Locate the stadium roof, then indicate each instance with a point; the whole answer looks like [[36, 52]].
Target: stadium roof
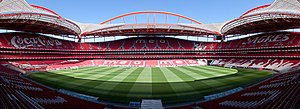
[[280, 15], [149, 25], [21, 16]]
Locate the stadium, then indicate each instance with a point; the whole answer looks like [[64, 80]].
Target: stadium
[[51, 62]]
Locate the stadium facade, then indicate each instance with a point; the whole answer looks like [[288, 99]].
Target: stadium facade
[[30, 50]]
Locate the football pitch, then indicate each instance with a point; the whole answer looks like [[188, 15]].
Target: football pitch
[[171, 84]]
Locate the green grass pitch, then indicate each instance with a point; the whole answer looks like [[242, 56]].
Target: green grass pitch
[[171, 84]]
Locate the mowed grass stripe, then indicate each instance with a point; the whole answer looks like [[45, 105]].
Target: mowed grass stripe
[[207, 73], [211, 73], [122, 88], [177, 88], [145, 76], [118, 89], [105, 73], [214, 72], [181, 74], [72, 71], [161, 90], [140, 91], [54, 79], [53, 76], [143, 88], [171, 77], [95, 72], [87, 73], [241, 77], [201, 72], [195, 75], [246, 76], [134, 75], [124, 75], [79, 73], [93, 84], [157, 75], [233, 81], [218, 70], [127, 87], [78, 81], [93, 77], [217, 67]]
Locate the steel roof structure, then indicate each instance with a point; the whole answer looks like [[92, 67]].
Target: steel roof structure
[[280, 15], [21, 16], [152, 27]]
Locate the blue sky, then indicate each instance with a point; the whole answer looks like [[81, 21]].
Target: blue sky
[[96, 11]]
